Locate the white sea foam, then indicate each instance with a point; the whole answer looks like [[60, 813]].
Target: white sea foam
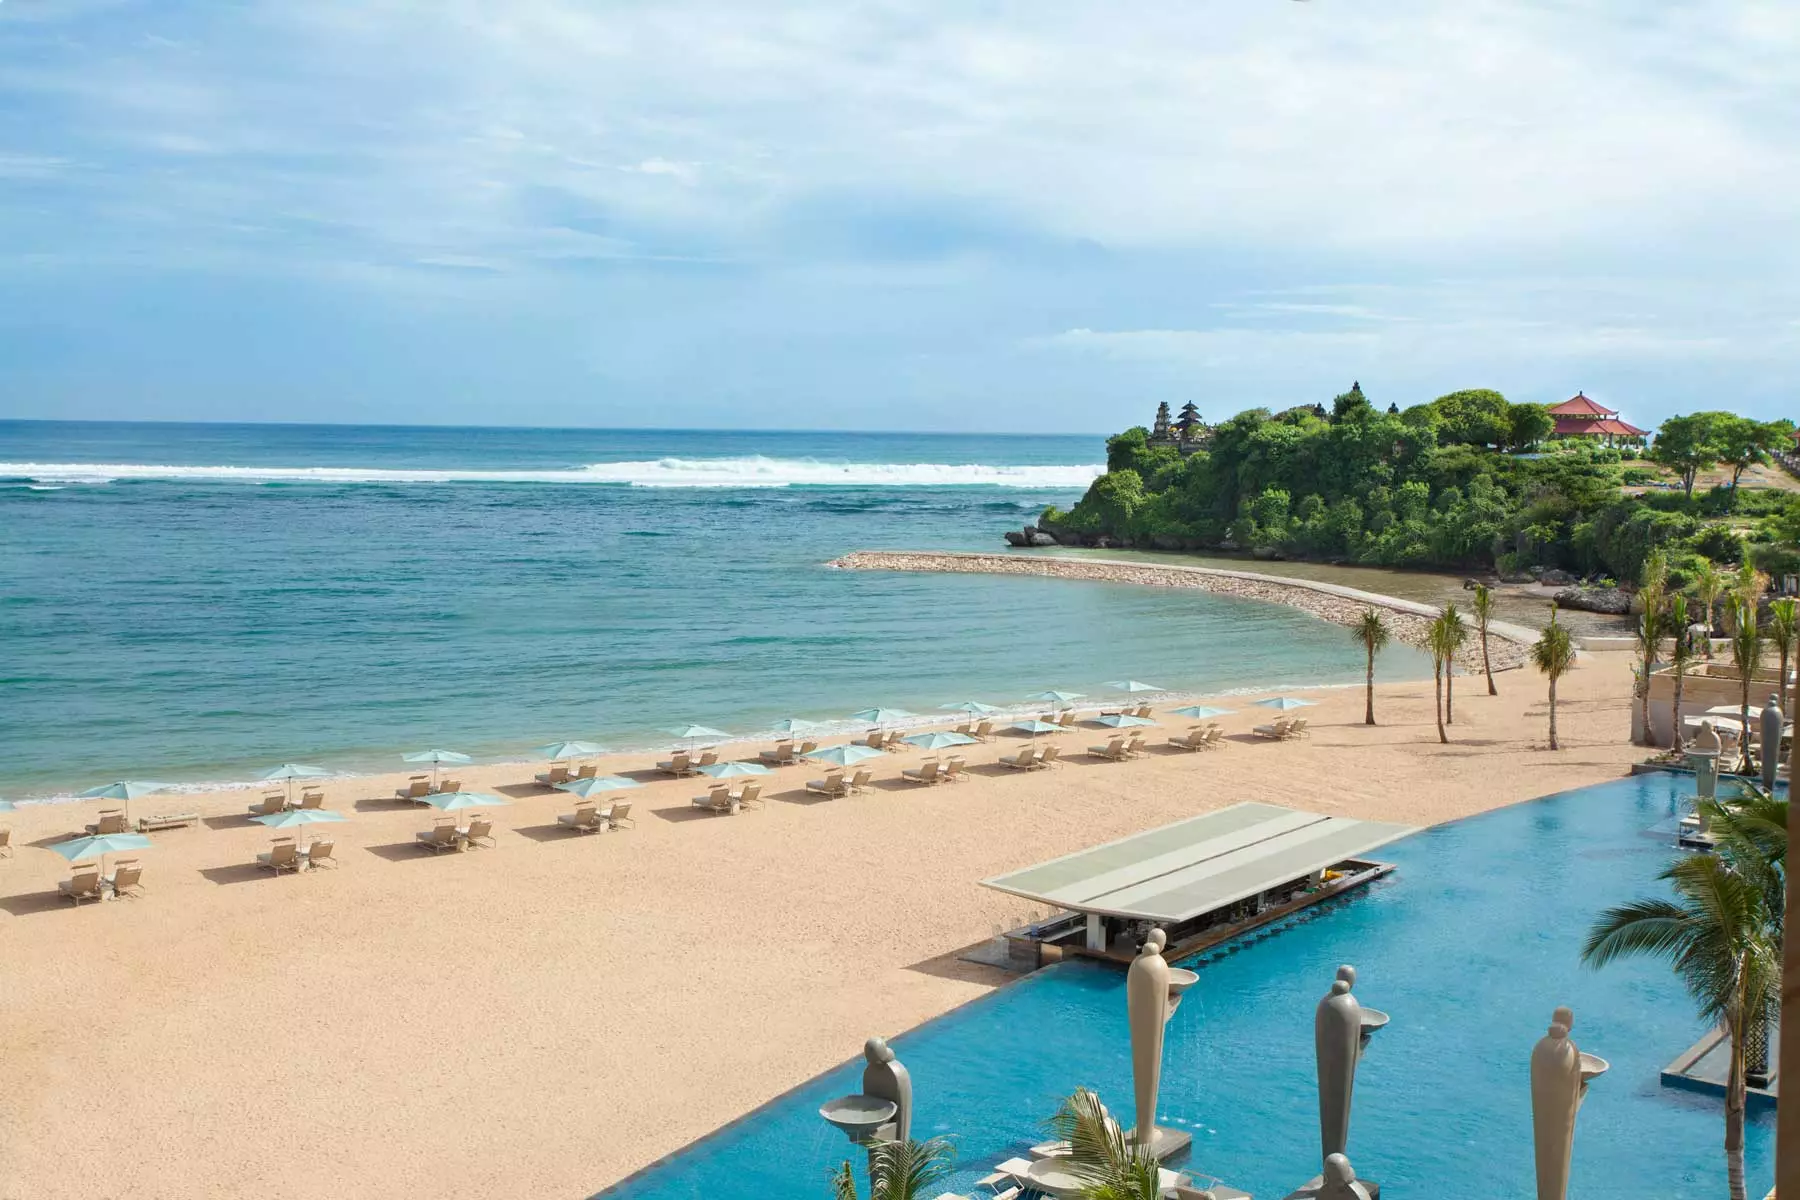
[[745, 472]]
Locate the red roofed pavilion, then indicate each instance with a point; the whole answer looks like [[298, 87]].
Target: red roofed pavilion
[[1579, 416]]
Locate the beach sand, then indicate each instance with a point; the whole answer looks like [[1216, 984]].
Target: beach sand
[[546, 1016]]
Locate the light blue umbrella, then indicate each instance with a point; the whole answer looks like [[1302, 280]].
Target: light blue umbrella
[[555, 750], [1055, 697], [7, 806], [1134, 685], [694, 733], [1201, 712], [881, 716], [939, 740], [1035, 726], [593, 785], [974, 708], [455, 801], [795, 725], [1123, 720], [76, 849], [435, 758], [730, 770], [293, 771], [126, 790], [1285, 702], [844, 756], [299, 816]]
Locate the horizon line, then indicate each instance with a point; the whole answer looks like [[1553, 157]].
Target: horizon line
[[685, 429]]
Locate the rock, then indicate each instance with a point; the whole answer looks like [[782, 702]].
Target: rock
[[1016, 537], [1470, 585], [1038, 537], [1556, 578], [1599, 600], [1516, 577]]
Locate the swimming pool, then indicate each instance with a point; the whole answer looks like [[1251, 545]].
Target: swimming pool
[[1469, 946]]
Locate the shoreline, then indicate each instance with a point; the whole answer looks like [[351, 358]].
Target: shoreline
[[1335, 603]]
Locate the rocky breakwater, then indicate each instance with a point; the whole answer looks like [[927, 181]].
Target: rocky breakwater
[[1329, 602]]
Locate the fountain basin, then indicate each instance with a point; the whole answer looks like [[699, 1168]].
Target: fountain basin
[[861, 1117], [1592, 1066], [1180, 980]]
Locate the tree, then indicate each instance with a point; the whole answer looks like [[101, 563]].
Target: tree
[[1649, 642], [1372, 632], [1484, 616], [1687, 445], [1681, 657], [1351, 405], [906, 1170], [1531, 424], [1441, 641], [1746, 657], [1457, 632], [1784, 634], [1553, 654], [1100, 1155], [1474, 417], [1722, 935], [1708, 584], [1744, 443]]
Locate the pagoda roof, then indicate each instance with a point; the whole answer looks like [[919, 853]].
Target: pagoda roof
[[1601, 426], [1579, 405]]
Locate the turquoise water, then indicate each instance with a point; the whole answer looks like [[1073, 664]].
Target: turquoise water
[[196, 602], [1469, 946]]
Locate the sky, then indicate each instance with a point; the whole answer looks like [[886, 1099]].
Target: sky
[[988, 215]]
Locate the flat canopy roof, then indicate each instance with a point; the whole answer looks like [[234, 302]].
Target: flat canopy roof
[[1180, 871]]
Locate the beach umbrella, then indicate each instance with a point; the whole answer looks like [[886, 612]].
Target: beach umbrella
[[1134, 685], [1123, 720], [7, 806], [694, 733], [939, 740], [554, 750], [125, 789], [844, 756], [593, 785], [1035, 727], [436, 758], [1201, 712], [730, 770], [456, 801], [1285, 702], [76, 849], [881, 716], [293, 771], [1055, 697], [974, 708], [299, 816], [795, 725]]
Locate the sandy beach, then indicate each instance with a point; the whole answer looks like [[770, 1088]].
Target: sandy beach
[[549, 1015]]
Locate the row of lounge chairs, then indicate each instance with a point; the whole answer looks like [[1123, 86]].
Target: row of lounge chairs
[[88, 884], [448, 835], [287, 855], [723, 800], [786, 754], [1201, 737], [589, 817], [1284, 728], [952, 770], [419, 787], [1120, 748], [834, 786], [684, 763], [276, 802], [1032, 758]]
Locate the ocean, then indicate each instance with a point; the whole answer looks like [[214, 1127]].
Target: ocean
[[194, 603]]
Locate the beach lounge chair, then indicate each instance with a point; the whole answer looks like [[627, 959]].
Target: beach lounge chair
[[112, 820], [718, 800], [478, 832], [1298, 728], [84, 886], [966, 728], [876, 739], [5, 841], [1114, 750], [1276, 729], [1048, 758], [750, 796], [680, 764], [833, 785], [893, 741], [439, 838], [617, 815], [124, 881], [1066, 718], [780, 756], [1024, 760], [1193, 739], [320, 853], [955, 770], [1134, 745], [1142, 710], [419, 788], [274, 802], [283, 855], [312, 799], [558, 773], [166, 821], [585, 819], [983, 732], [709, 757], [450, 787], [806, 748], [587, 771], [926, 773], [859, 782]]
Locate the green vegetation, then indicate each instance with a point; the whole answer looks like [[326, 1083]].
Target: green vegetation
[[1464, 482], [1371, 632], [1552, 654]]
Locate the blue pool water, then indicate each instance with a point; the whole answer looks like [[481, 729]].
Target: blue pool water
[[1469, 946], [192, 602]]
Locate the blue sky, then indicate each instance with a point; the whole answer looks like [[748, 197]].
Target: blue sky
[[996, 215]]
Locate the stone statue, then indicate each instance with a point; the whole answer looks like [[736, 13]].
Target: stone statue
[[1337, 1041], [887, 1079], [1556, 1093], [1773, 723], [1339, 1181], [1147, 1007], [1703, 756]]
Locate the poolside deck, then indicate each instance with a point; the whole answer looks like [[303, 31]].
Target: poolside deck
[[1703, 1066]]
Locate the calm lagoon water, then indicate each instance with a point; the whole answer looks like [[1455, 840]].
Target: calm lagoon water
[[196, 602], [1469, 946]]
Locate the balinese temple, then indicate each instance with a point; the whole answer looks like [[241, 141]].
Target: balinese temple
[[1579, 416], [1186, 432]]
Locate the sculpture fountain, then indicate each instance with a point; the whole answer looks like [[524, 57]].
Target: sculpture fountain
[[1774, 723], [1560, 1074], [1152, 994], [1342, 1028], [882, 1111]]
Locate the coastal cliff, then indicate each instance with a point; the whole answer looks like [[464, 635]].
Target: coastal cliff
[[1408, 619]]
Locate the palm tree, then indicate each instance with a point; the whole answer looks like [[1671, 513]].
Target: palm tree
[[1484, 615], [1649, 641], [1372, 631], [1681, 657], [1784, 632], [1748, 584], [906, 1170], [1440, 640], [1708, 584], [1722, 934], [1100, 1155], [1746, 656], [1553, 653], [1458, 633]]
